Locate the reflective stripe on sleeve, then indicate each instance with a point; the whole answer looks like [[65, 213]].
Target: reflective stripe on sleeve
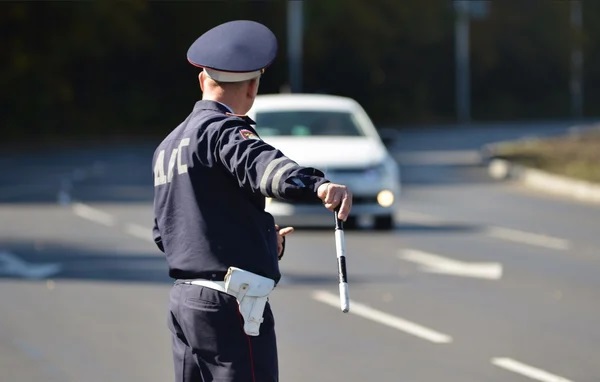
[[277, 177], [268, 188]]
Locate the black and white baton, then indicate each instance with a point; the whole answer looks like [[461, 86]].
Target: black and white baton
[[340, 249]]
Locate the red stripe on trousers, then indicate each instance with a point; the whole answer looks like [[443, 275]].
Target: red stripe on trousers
[[249, 348]]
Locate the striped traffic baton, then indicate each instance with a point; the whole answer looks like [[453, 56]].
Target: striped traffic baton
[[340, 249]]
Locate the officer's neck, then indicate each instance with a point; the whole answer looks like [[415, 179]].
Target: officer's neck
[[238, 96], [235, 105]]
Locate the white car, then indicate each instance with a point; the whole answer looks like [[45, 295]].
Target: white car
[[333, 134]]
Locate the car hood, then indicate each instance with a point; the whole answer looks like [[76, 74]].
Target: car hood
[[321, 152]]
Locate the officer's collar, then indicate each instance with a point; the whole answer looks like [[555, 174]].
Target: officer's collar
[[248, 120], [221, 107]]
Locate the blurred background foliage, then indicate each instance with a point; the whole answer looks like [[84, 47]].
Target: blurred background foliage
[[119, 68]]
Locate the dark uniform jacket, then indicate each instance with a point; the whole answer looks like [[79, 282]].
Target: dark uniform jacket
[[211, 176]]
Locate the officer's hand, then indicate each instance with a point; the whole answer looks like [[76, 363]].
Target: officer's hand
[[281, 233], [334, 195]]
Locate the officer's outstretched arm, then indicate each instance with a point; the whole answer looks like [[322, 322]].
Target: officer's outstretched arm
[[263, 169]]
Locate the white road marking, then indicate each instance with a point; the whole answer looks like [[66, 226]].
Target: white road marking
[[93, 214], [13, 265], [419, 218], [384, 318], [438, 264], [528, 371], [517, 236], [101, 217], [528, 238], [139, 231]]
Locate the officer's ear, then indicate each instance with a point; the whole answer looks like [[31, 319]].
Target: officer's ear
[[253, 87], [201, 80]]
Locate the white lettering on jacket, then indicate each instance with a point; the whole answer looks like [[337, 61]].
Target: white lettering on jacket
[[163, 177]]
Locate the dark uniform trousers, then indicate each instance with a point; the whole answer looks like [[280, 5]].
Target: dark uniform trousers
[[209, 342]]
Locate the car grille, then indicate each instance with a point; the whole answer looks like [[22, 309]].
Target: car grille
[[356, 200], [345, 171]]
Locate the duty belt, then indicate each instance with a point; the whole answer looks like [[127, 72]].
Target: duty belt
[[216, 285]]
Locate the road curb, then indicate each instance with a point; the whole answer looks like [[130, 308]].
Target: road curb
[[544, 181]]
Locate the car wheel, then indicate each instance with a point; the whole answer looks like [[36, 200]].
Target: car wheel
[[384, 223]]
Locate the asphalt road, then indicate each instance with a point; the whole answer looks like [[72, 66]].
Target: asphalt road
[[479, 281]]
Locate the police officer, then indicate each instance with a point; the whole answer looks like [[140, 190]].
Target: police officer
[[211, 176]]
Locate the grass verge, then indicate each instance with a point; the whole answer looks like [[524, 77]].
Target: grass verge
[[576, 156]]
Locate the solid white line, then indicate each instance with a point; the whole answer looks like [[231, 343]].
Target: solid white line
[[139, 231], [93, 214], [384, 318], [528, 371], [528, 238]]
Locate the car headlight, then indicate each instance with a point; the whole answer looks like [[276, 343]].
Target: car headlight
[[385, 198]]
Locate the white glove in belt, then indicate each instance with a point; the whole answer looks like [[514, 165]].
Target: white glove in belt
[[250, 290]]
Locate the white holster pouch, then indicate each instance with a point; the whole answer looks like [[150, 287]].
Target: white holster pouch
[[251, 291]]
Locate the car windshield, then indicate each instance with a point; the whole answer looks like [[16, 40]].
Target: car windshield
[[307, 123]]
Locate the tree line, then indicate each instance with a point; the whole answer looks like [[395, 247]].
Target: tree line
[[119, 68]]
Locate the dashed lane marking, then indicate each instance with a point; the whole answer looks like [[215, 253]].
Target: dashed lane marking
[[138, 231], [509, 234], [107, 219], [433, 263], [93, 214], [528, 238], [385, 318], [528, 371]]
